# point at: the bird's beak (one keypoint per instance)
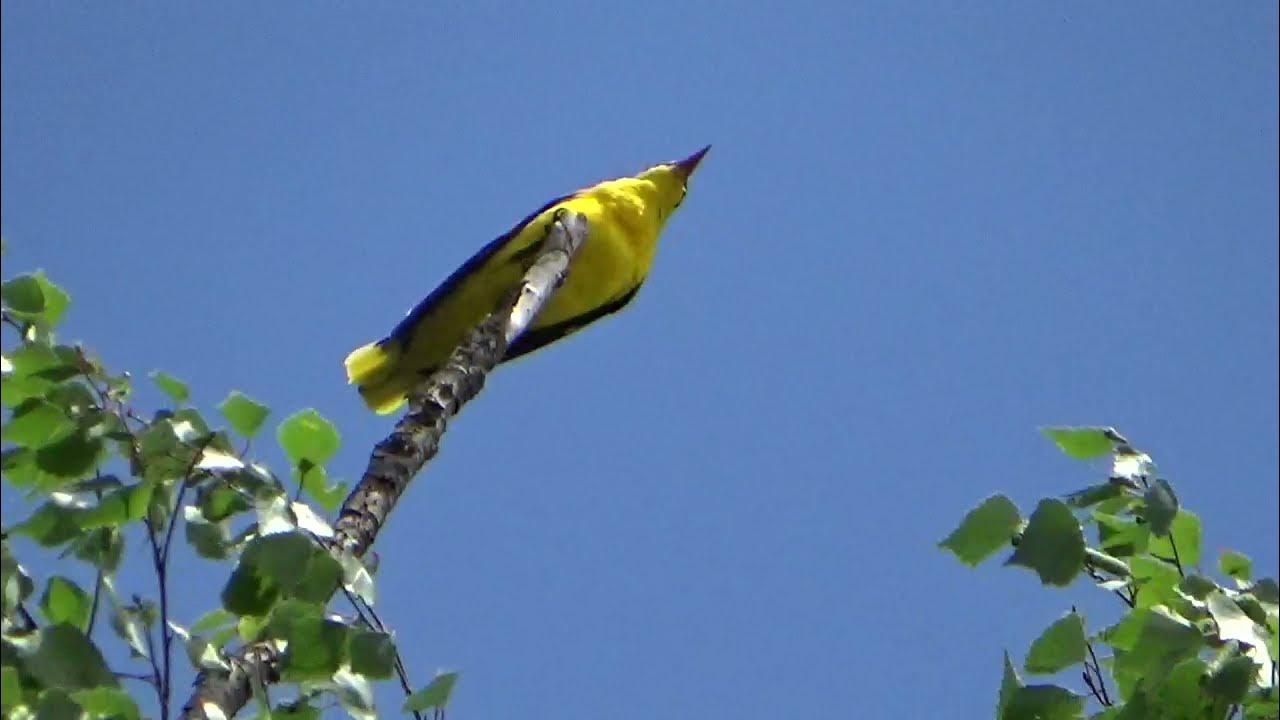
(686, 166)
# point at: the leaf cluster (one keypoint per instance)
(1187, 645)
(98, 476)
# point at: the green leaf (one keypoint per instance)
(354, 693)
(1044, 702)
(65, 658)
(319, 579)
(984, 530)
(212, 620)
(1161, 506)
(271, 565)
(130, 623)
(1181, 696)
(1082, 443)
(315, 483)
(1265, 590)
(372, 654)
(1163, 642)
(1263, 705)
(64, 602)
(56, 299)
(210, 540)
(73, 457)
(1232, 680)
(120, 507)
(1124, 634)
(1121, 536)
(1060, 646)
(221, 501)
(307, 436)
(10, 689)
(434, 695)
(1009, 684)
(56, 704)
(1157, 581)
(1052, 544)
(23, 296)
(244, 413)
(103, 548)
(1197, 586)
(1233, 623)
(17, 585)
(107, 702)
(1236, 566)
(1094, 494)
(316, 649)
(1184, 533)
(34, 370)
(177, 390)
(37, 422)
(51, 524)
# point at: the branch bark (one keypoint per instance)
(402, 454)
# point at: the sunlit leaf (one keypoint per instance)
(372, 654)
(1081, 443)
(177, 390)
(23, 297)
(1161, 506)
(984, 530)
(244, 413)
(434, 695)
(64, 602)
(1060, 646)
(65, 658)
(1236, 566)
(308, 436)
(1052, 544)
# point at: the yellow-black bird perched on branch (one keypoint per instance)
(625, 217)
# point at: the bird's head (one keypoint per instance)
(669, 182)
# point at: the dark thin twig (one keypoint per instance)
(182, 490)
(1105, 699)
(370, 618)
(1177, 561)
(155, 673)
(93, 606)
(162, 581)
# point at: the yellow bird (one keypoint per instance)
(625, 217)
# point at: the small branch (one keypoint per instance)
(1103, 698)
(412, 443)
(93, 605)
(1177, 561)
(158, 681)
(157, 561)
(370, 618)
(182, 491)
(1106, 563)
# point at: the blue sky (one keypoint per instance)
(921, 234)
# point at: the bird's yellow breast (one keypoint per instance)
(615, 258)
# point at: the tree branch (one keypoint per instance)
(412, 443)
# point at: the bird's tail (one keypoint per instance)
(372, 369)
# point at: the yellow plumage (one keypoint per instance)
(625, 217)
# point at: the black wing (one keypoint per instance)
(404, 330)
(536, 338)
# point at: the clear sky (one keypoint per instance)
(921, 234)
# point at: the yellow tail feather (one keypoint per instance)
(372, 368)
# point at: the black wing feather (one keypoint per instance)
(404, 330)
(535, 338)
